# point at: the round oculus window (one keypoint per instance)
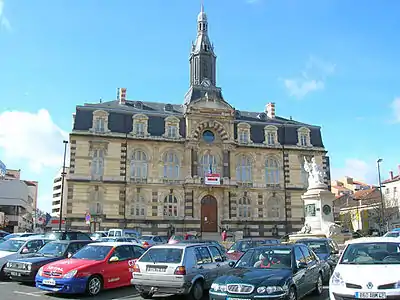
(208, 136)
(326, 209)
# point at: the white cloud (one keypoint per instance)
(312, 78)
(396, 109)
(357, 169)
(33, 137)
(4, 22)
(44, 202)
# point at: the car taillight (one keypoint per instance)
(180, 270)
(136, 269)
(145, 244)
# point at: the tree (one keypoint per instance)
(384, 213)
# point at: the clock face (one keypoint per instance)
(326, 209)
(206, 82)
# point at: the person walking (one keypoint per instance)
(224, 235)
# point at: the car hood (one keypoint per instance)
(323, 256)
(37, 259)
(6, 253)
(65, 265)
(256, 276)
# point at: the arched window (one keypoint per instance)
(97, 164)
(271, 171)
(139, 165)
(170, 206)
(244, 207)
(208, 164)
(171, 165)
(243, 169)
(138, 206)
(274, 208)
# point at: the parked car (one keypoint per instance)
(20, 234)
(120, 239)
(25, 269)
(3, 233)
(178, 238)
(150, 240)
(179, 269)
(271, 272)
(116, 232)
(67, 235)
(368, 268)
(241, 246)
(327, 251)
(95, 267)
(17, 247)
(98, 235)
(221, 248)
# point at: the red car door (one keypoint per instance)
(117, 270)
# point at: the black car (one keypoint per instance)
(68, 235)
(25, 269)
(271, 272)
(326, 249)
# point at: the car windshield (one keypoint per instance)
(162, 255)
(177, 237)
(54, 249)
(243, 246)
(372, 253)
(108, 239)
(318, 247)
(53, 235)
(392, 234)
(10, 236)
(92, 252)
(11, 245)
(266, 258)
(96, 235)
(146, 237)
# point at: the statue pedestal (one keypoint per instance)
(318, 207)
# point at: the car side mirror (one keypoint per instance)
(69, 255)
(25, 250)
(231, 264)
(334, 252)
(301, 265)
(113, 259)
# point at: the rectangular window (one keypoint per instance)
(303, 140)
(99, 125)
(271, 138)
(139, 129)
(172, 131)
(243, 136)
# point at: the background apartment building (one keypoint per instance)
(57, 186)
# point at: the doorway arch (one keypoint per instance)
(209, 214)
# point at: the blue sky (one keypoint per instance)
(330, 63)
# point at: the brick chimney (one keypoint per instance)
(121, 95)
(270, 110)
(391, 175)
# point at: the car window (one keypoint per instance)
(216, 255)
(163, 255)
(307, 254)
(299, 256)
(74, 247)
(123, 252)
(118, 233)
(82, 236)
(120, 240)
(157, 239)
(132, 240)
(334, 245)
(138, 251)
(70, 236)
(34, 246)
(203, 255)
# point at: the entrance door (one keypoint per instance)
(209, 213)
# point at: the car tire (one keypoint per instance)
(292, 295)
(196, 292)
(94, 285)
(319, 285)
(146, 295)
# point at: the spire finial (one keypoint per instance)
(202, 6)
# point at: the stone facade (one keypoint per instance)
(142, 165)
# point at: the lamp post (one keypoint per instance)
(62, 185)
(380, 191)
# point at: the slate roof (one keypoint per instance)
(120, 120)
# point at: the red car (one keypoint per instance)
(96, 266)
(241, 246)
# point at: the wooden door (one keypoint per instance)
(209, 214)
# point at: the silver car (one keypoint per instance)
(179, 269)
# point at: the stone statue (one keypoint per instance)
(315, 174)
(334, 229)
(306, 229)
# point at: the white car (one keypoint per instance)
(368, 268)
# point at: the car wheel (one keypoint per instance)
(196, 293)
(292, 295)
(319, 285)
(94, 285)
(146, 295)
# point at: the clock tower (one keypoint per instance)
(202, 58)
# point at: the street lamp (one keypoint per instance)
(380, 191)
(62, 184)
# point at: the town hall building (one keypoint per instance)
(201, 166)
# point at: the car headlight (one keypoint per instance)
(28, 267)
(70, 274)
(218, 287)
(337, 279)
(40, 271)
(9, 265)
(269, 289)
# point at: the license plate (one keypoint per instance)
(155, 269)
(15, 274)
(49, 282)
(370, 295)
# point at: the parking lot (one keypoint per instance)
(16, 291)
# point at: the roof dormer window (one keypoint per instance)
(100, 122)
